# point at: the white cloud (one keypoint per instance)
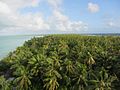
(5, 15)
(63, 23)
(4, 8)
(31, 21)
(28, 21)
(35, 3)
(55, 3)
(11, 20)
(93, 8)
(113, 23)
(18, 4)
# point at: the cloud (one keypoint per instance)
(35, 3)
(12, 21)
(18, 4)
(55, 3)
(4, 8)
(5, 15)
(63, 23)
(113, 23)
(12, 18)
(93, 8)
(31, 21)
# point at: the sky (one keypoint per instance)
(19, 17)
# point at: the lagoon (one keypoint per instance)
(10, 43)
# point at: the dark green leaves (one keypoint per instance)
(63, 62)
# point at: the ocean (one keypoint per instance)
(10, 43)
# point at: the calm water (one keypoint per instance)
(9, 43)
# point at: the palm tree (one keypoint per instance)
(79, 78)
(51, 75)
(51, 83)
(102, 81)
(51, 79)
(69, 67)
(90, 61)
(4, 84)
(55, 60)
(37, 63)
(22, 80)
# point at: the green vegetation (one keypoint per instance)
(63, 62)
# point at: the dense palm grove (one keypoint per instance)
(63, 62)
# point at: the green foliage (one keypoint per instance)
(4, 84)
(63, 62)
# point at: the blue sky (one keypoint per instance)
(59, 16)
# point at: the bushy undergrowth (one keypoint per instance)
(63, 62)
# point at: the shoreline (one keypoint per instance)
(42, 35)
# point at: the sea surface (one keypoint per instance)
(10, 43)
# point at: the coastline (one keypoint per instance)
(22, 38)
(11, 42)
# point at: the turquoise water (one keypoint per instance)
(10, 43)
